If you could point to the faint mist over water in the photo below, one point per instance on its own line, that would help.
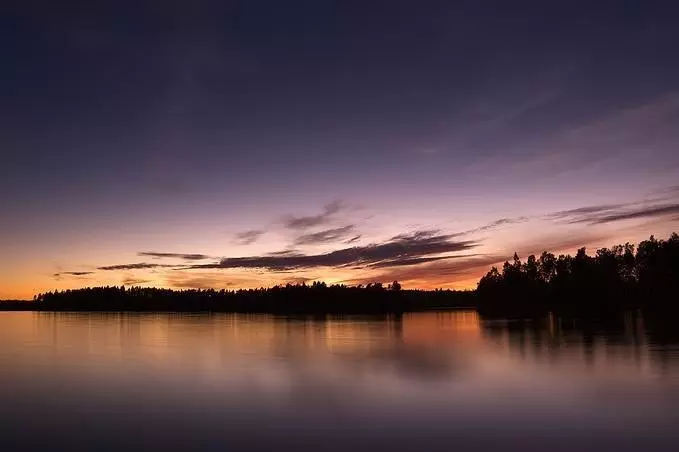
(440, 381)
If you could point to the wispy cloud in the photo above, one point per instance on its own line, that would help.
(201, 282)
(402, 249)
(285, 253)
(648, 212)
(329, 210)
(247, 237)
(438, 273)
(72, 274)
(353, 239)
(136, 266)
(587, 210)
(207, 280)
(495, 224)
(642, 134)
(131, 281)
(667, 192)
(186, 257)
(415, 261)
(610, 213)
(325, 236)
(652, 123)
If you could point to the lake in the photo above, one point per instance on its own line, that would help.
(450, 381)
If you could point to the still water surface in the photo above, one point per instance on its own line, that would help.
(431, 381)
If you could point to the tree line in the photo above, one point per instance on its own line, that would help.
(623, 276)
(620, 277)
(317, 297)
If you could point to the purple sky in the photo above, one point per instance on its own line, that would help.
(419, 141)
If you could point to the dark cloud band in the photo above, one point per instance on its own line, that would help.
(186, 257)
(137, 266)
(405, 249)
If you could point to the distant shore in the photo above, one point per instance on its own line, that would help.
(291, 299)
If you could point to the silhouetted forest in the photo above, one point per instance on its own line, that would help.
(621, 277)
(289, 299)
(614, 278)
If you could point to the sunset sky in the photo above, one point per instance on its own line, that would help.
(191, 144)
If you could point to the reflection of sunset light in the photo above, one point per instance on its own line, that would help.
(347, 335)
(441, 327)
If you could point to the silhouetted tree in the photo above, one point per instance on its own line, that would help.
(614, 277)
(289, 299)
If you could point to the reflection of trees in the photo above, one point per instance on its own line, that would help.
(629, 339)
(391, 344)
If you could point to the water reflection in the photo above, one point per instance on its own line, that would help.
(250, 381)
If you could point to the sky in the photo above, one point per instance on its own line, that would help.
(192, 144)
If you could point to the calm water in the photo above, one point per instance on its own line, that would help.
(426, 382)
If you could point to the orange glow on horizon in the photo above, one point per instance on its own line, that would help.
(23, 282)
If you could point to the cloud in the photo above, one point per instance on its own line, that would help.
(130, 281)
(587, 210)
(504, 221)
(604, 214)
(666, 192)
(352, 239)
(72, 274)
(495, 224)
(285, 253)
(201, 282)
(248, 237)
(292, 222)
(414, 261)
(649, 125)
(325, 236)
(439, 273)
(208, 280)
(399, 250)
(640, 134)
(137, 266)
(187, 257)
(649, 212)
